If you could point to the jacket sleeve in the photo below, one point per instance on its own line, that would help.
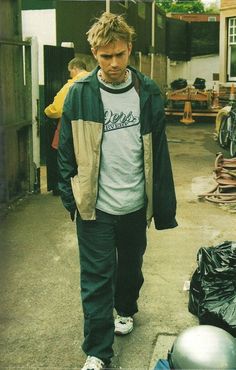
(67, 167)
(164, 199)
(54, 110)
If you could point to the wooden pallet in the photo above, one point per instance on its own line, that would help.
(189, 93)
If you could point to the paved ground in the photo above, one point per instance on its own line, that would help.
(40, 311)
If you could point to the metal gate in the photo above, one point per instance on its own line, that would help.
(56, 74)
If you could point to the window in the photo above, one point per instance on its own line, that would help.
(211, 19)
(232, 49)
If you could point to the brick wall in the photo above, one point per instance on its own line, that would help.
(228, 3)
(194, 17)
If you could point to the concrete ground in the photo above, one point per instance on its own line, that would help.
(40, 311)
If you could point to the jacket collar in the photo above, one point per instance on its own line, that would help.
(147, 86)
(92, 79)
(146, 82)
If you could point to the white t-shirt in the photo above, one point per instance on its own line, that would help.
(121, 180)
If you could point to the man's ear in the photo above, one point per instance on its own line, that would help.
(94, 52)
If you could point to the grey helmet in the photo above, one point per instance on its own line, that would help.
(203, 347)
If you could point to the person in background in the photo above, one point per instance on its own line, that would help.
(77, 70)
(115, 175)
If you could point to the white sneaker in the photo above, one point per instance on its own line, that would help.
(93, 363)
(123, 325)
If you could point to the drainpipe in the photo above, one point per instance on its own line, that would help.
(108, 8)
(153, 38)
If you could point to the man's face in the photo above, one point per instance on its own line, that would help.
(113, 59)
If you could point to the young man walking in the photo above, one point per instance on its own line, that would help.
(115, 176)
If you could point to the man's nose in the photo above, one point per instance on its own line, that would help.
(114, 62)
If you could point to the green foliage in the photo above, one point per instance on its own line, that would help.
(181, 6)
(214, 9)
(165, 4)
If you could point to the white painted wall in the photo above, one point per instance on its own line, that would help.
(202, 67)
(35, 100)
(42, 25)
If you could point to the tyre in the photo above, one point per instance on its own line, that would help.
(232, 148)
(224, 132)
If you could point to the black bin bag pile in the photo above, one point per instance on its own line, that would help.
(212, 295)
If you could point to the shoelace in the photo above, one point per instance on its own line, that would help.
(124, 320)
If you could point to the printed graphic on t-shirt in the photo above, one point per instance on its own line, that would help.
(115, 121)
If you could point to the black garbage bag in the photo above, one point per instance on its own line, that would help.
(212, 295)
(199, 83)
(178, 84)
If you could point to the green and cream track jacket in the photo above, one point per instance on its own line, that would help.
(79, 150)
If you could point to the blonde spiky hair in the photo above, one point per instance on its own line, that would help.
(108, 28)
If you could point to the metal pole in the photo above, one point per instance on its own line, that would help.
(153, 38)
(108, 6)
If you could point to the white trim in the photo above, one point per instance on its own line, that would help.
(231, 41)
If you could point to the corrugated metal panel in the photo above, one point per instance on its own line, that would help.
(38, 4)
(73, 20)
(178, 39)
(204, 38)
(15, 120)
(16, 165)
